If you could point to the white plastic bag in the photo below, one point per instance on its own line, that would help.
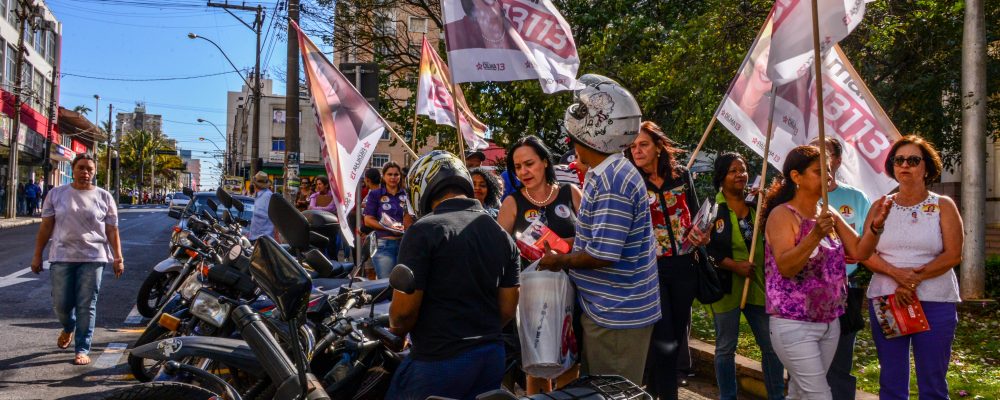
(545, 323)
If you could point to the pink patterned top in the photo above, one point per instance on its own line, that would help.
(819, 292)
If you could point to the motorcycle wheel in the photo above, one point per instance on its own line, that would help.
(144, 370)
(161, 391)
(153, 292)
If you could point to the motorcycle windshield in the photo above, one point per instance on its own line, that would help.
(280, 276)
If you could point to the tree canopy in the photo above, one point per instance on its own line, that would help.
(678, 58)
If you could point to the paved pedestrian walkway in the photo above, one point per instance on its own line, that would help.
(7, 223)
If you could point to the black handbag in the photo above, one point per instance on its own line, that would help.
(710, 289)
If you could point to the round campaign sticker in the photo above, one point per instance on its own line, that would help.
(386, 206)
(562, 211)
(846, 211)
(384, 199)
(719, 225)
(531, 215)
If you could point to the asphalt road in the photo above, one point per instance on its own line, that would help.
(31, 366)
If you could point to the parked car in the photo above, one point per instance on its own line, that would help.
(177, 201)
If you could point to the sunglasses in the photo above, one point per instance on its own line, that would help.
(911, 161)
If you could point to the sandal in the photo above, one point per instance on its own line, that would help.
(64, 339)
(81, 359)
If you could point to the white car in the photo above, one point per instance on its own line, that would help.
(178, 201)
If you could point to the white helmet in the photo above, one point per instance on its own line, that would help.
(604, 116)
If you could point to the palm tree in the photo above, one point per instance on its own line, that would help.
(138, 148)
(81, 109)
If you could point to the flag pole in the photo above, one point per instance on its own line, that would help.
(401, 139)
(704, 136)
(458, 116)
(760, 195)
(413, 136)
(818, 77)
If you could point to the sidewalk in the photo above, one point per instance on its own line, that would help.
(6, 223)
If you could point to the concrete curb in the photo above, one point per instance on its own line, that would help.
(19, 221)
(748, 372)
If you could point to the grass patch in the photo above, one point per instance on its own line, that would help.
(974, 372)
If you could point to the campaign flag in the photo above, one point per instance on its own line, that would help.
(348, 127)
(434, 99)
(852, 115)
(510, 40)
(792, 40)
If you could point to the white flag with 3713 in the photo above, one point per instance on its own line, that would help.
(510, 40)
(348, 127)
(852, 114)
(792, 39)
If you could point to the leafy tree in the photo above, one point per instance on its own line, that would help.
(81, 109)
(679, 57)
(138, 149)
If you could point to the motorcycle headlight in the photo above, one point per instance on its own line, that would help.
(208, 308)
(190, 286)
(234, 253)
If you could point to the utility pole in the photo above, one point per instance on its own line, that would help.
(974, 93)
(26, 11)
(292, 106)
(53, 100)
(107, 178)
(258, 23)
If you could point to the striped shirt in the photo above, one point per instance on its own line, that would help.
(614, 226)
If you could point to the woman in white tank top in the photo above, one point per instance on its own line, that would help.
(914, 261)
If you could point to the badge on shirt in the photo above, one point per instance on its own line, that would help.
(562, 211)
(384, 199)
(719, 225)
(846, 211)
(531, 215)
(929, 208)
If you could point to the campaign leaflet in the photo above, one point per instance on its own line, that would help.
(896, 320)
(701, 221)
(390, 224)
(532, 241)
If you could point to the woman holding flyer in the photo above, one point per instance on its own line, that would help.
(804, 270)
(913, 266)
(385, 213)
(539, 199)
(672, 203)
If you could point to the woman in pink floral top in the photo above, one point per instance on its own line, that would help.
(805, 271)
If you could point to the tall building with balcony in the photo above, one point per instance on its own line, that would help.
(39, 81)
(138, 119)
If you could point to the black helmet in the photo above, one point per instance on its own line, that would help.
(429, 174)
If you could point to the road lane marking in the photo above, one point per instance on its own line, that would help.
(133, 318)
(15, 278)
(110, 356)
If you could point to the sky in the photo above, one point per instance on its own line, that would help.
(142, 39)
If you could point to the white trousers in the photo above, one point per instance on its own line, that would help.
(806, 349)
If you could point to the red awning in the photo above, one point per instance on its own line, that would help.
(29, 117)
(493, 154)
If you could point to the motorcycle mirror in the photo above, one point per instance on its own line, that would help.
(317, 240)
(227, 218)
(188, 192)
(239, 206)
(224, 198)
(401, 278)
(289, 222)
(319, 263)
(213, 205)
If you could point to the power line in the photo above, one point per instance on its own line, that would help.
(175, 78)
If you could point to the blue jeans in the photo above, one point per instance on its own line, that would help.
(74, 298)
(385, 257)
(464, 376)
(727, 330)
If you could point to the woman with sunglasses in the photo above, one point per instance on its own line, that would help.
(914, 260)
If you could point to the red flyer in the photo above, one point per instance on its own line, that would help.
(897, 320)
(532, 241)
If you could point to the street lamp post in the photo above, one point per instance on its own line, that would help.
(255, 89)
(228, 163)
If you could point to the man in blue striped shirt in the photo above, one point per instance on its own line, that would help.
(613, 263)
